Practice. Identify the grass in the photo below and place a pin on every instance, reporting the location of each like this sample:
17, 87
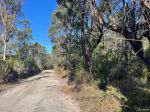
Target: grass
136, 92
61, 72
89, 96
94, 100
66, 89
124, 95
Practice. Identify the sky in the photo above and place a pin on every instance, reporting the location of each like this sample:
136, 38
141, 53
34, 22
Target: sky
39, 12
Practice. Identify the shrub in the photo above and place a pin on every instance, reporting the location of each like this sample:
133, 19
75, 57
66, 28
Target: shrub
4, 69
12, 77
48, 66
7, 72
82, 77
61, 72
94, 100
31, 65
17, 65
103, 66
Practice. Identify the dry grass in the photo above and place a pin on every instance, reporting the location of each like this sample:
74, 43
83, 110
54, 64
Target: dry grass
66, 89
90, 98
94, 100
61, 72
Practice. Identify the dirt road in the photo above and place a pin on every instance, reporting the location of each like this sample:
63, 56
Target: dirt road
39, 93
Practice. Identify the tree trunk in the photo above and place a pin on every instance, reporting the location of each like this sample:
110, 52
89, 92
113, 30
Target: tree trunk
4, 51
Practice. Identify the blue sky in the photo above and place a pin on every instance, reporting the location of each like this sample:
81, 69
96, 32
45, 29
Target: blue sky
39, 12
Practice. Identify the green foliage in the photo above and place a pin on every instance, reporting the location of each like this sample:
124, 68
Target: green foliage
16, 64
100, 64
82, 77
31, 65
7, 74
39, 53
106, 66
23, 38
21, 55
4, 69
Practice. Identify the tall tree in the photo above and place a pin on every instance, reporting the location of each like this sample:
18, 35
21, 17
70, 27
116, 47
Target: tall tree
77, 32
129, 18
23, 37
39, 53
9, 11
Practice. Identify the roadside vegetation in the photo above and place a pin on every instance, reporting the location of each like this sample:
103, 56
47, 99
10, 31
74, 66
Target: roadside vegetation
19, 56
101, 46
105, 47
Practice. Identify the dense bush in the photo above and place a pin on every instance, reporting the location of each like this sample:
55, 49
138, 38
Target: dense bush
13, 69
31, 65
82, 77
94, 100
107, 42
17, 65
7, 73
4, 69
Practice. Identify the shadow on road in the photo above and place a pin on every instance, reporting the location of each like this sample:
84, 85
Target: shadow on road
38, 78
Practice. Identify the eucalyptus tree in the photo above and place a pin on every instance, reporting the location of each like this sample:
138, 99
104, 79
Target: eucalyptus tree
23, 39
39, 53
128, 18
9, 11
57, 33
79, 36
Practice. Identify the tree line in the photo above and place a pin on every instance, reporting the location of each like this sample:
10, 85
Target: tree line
103, 40
19, 56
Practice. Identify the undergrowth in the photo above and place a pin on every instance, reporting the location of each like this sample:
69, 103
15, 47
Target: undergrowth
94, 100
